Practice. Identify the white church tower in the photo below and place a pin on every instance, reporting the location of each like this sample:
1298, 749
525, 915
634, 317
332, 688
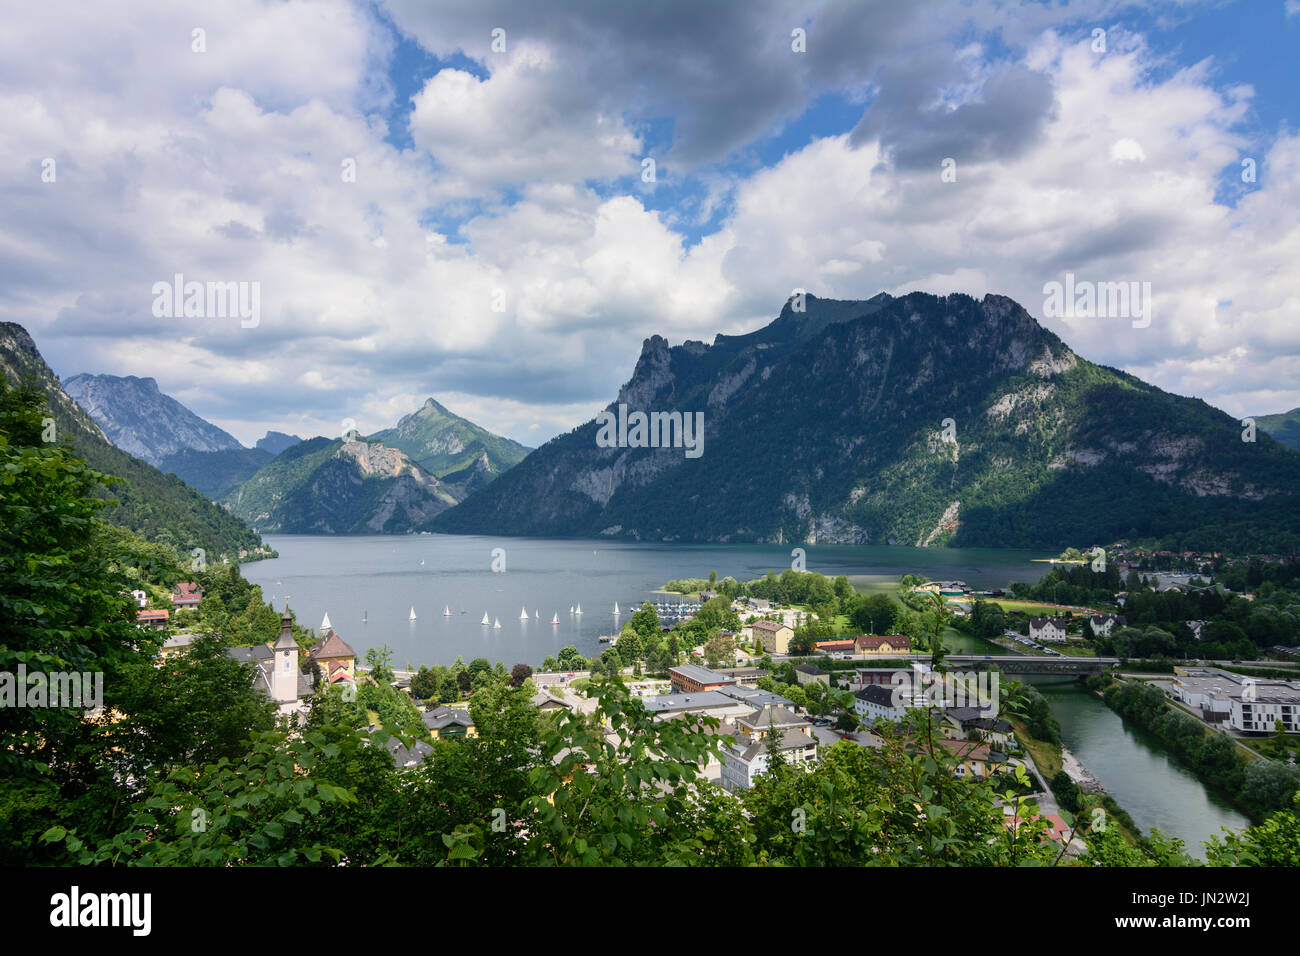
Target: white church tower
284, 681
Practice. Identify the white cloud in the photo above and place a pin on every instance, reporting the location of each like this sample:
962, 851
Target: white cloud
230, 168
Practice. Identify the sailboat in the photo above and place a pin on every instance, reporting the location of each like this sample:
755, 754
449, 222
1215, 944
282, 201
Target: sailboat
496, 624
365, 617
556, 619
412, 617
485, 620
579, 610
616, 609
446, 610
537, 615
570, 608
523, 614
325, 624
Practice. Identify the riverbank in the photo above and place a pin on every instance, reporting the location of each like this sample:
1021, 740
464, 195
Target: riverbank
1193, 755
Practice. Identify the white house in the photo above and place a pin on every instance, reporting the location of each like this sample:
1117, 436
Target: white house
875, 702
1047, 630
747, 758
1103, 624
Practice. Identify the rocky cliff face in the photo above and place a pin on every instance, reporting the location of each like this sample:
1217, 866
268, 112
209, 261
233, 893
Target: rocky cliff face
343, 487
141, 420
918, 420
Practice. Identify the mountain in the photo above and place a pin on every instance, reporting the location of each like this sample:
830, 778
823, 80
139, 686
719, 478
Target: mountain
451, 447
828, 426
1283, 427
216, 473
156, 506
276, 442
332, 486
139, 419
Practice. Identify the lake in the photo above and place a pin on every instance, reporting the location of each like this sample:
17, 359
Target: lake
368, 585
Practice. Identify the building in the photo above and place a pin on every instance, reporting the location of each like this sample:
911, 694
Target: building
1103, 624
404, 756
336, 660
755, 698
809, 673
759, 724
445, 723
259, 656
883, 644
187, 594
544, 701
774, 636
745, 676
864, 676
842, 648
875, 703
153, 618
141, 599
709, 703
176, 644
691, 678
972, 723
1246, 704
287, 678
1047, 630
973, 759
743, 761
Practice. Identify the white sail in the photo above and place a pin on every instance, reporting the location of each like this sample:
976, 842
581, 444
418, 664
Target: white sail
579, 610
496, 624
412, 617
446, 610
325, 624
570, 608
556, 619
523, 614
615, 608
485, 618
537, 615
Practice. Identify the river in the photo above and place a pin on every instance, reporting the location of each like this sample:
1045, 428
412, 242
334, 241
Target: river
1135, 768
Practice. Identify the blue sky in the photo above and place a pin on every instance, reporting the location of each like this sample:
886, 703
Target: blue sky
499, 250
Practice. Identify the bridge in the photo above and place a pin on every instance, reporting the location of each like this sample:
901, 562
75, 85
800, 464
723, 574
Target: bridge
1007, 663
1027, 664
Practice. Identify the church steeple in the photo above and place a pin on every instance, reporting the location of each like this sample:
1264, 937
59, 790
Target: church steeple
284, 682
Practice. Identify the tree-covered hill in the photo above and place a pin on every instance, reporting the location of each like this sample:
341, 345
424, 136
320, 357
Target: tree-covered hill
154, 505
921, 420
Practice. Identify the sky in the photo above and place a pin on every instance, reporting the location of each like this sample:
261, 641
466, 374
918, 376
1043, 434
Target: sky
496, 203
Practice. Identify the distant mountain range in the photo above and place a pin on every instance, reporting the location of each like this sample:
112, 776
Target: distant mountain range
1283, 427
393, 481
919, 420
157, 506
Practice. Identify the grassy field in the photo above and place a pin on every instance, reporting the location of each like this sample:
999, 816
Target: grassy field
1047, 757
1008, 605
